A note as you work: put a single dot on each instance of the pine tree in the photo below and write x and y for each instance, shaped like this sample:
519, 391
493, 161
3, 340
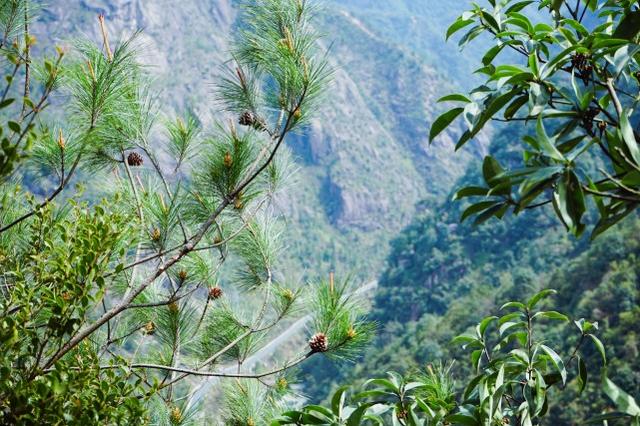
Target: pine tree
120, 304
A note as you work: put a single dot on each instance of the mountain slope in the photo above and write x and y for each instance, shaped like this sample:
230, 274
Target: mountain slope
364, 161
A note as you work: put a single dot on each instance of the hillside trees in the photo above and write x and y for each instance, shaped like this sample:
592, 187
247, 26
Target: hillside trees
119, 300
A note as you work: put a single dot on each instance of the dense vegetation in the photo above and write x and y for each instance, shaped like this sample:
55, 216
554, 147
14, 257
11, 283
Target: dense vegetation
117, 304
125, 303
564, 100
444, 276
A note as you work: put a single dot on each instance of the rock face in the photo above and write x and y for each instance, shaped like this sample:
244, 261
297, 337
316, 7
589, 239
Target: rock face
365, 160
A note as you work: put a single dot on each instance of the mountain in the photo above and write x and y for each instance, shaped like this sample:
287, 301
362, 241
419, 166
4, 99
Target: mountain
365, 160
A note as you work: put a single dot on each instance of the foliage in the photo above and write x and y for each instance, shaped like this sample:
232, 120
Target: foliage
17, 129
112, 311
515, 373
575, 84
68, 257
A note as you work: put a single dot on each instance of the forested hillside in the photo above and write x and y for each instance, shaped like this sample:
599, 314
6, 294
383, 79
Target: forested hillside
444, 276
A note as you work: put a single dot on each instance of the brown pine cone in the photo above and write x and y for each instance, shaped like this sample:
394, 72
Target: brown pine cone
215, 292
319, 343
134, 159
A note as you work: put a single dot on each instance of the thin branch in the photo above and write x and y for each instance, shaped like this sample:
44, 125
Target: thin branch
614, 96
27, 60
191, 372
611, 195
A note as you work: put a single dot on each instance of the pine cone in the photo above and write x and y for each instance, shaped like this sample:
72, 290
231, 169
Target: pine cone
247, 118
319, 343
215, 292
134, 159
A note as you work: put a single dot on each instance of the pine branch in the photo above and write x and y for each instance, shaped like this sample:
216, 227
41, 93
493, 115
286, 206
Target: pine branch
191, 372
186, 249
27, 62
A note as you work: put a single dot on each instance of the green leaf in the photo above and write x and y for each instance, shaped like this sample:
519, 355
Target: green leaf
337, 402
494, 106
608, 221
462, 419
482, 327
490, 169
552, 315
6, 103
516, 305
582, 374
476, 208
355, 419
498, 211
443, 122
541, 395
515, 106
15, 127
424, 407
533, 63
628, 136
546, 144
520, 355
629, 26
556, 5
382, 382
510, 325
599, 347
457, 26
601, 419
492, 53
470, 191
456, 97
624, 402
373, 394
464, 339
538, 98
531, 303
557, 362
569, 202
475, 358
320, 410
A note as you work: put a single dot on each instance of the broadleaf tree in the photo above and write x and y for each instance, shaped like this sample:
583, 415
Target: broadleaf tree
118, 303
570, 71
